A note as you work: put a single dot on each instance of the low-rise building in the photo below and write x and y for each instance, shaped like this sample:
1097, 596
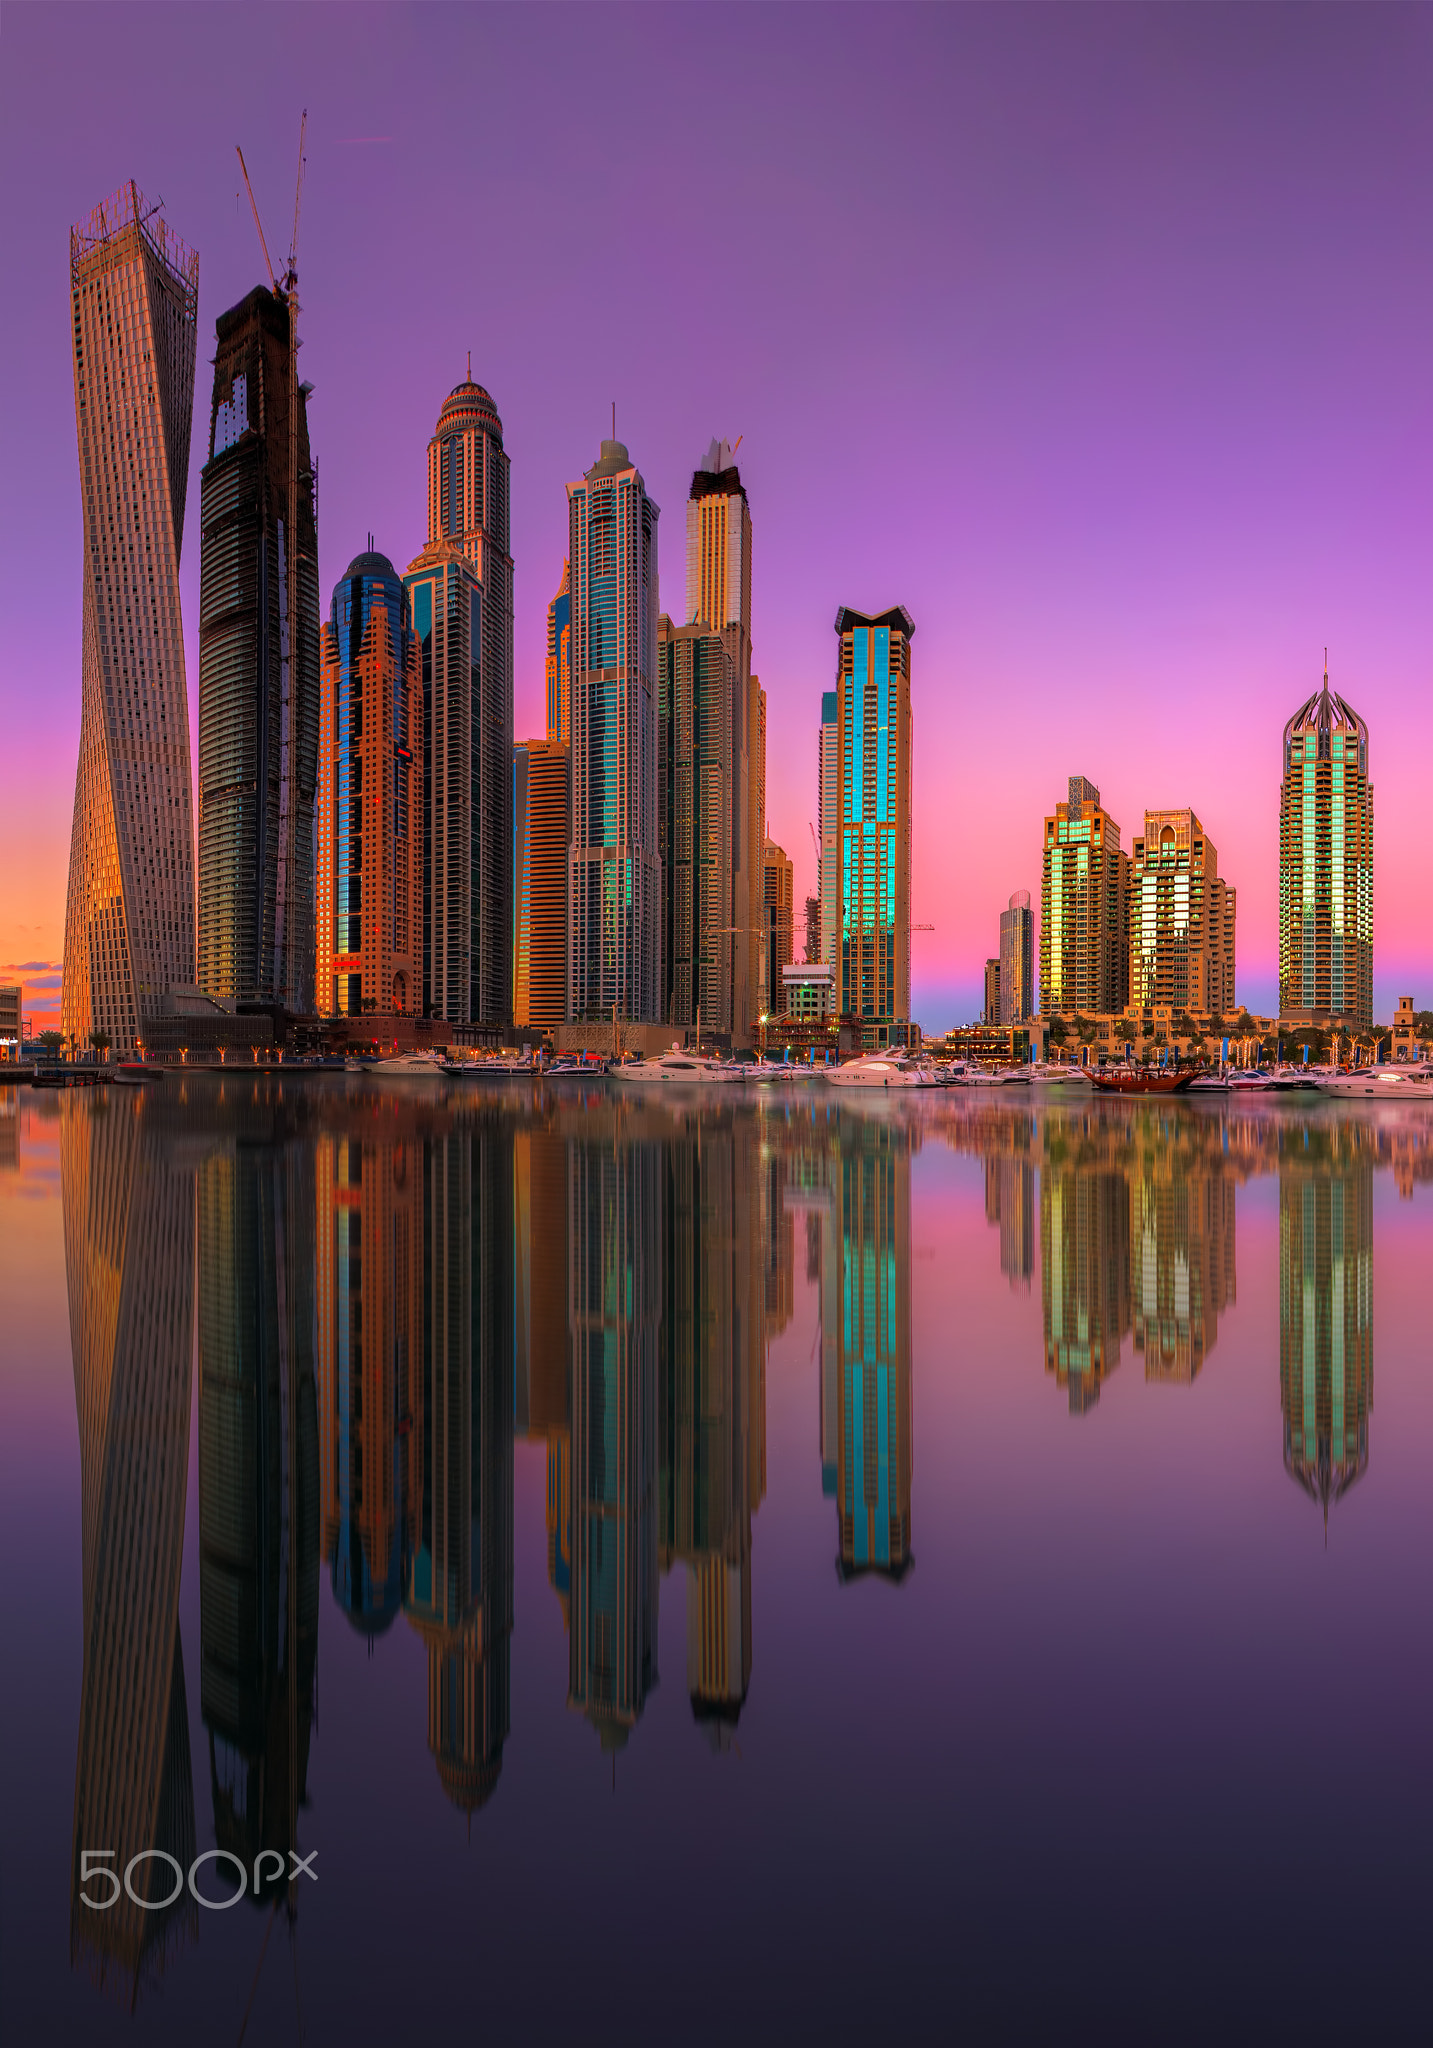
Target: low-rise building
808, 990
9, 1022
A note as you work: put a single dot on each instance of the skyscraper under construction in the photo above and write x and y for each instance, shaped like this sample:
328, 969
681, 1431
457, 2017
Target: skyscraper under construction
129, 915
258, 669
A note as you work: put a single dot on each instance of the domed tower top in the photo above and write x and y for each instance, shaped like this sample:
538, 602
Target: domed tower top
468, 481
1321, 717
469, 405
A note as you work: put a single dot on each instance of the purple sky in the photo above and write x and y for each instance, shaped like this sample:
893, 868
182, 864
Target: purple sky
1100, 339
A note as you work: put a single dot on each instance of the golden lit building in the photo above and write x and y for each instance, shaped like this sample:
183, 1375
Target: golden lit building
1326, 866
542, 824
370, 799
1181, 918
778, 919
129, 913
990, 1013
1084, 931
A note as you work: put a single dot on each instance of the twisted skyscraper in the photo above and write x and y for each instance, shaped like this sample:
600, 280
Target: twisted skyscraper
129, 918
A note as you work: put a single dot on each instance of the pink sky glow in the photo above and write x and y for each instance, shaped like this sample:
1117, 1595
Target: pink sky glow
1097, 339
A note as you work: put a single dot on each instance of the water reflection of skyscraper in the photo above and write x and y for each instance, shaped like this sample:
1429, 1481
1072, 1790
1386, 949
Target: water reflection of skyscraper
258, 1490
128, 1201
1325, 1316
416, 1414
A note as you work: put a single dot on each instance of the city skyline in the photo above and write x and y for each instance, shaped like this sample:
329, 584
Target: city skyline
1240, 620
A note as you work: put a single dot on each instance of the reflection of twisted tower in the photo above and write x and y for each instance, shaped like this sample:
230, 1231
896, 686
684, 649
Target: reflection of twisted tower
129, 1256
458, 1592
258, 1491
873, 1348
1084, 1272
711, 1335
615, 1234
1326, 1324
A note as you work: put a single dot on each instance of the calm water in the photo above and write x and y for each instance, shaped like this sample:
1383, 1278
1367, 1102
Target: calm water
713, 1572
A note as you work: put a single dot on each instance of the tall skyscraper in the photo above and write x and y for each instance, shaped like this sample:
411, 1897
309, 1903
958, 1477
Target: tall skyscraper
258, 671
695, 727
990, 1012
1326, 866
1017, 960
473, 728
1084, 939
559, 660
447, 604
778, 916
370, 888
615, 870
828, 829
718, 595
129, 913
1181, 917
873, 719
542, 829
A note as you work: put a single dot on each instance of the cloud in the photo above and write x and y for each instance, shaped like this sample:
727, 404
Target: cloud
32, 967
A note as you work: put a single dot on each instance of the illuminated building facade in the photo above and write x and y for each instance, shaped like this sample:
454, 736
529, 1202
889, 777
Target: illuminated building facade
1181, 918
778, 915
1017, 961
129, 913
718, 596
370, 892
697, 710
559, 660
1326, 866
873, 717
615, 878
1326, 1319
1084, 933
447, 607
472, 724
542, 825
990, 1012
258, 672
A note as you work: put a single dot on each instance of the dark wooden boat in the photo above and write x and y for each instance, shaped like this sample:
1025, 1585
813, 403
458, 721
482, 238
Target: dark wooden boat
1130, 1081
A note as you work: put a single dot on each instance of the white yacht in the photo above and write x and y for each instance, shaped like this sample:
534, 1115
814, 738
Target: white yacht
1382, 1084
403, 1066
676, 1067
882, 1070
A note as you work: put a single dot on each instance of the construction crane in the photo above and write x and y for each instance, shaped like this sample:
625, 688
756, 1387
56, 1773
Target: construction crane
286, 291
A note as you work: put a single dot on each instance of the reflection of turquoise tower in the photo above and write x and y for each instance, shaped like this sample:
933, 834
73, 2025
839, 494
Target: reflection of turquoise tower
873, 1350
258, 1490
615, 1304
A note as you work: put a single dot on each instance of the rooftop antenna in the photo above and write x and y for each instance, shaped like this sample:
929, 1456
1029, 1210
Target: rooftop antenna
470, 366
614, 419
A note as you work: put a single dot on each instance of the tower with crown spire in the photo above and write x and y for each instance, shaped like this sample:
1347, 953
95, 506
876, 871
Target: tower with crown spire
1326, 866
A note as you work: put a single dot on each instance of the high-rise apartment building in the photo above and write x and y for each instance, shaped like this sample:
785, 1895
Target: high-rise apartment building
1181, 917
1326, 866
828, 831
718, 596
1084, 941
473, 729
990, 1009
542, 827
1017, 961
778, 918
129, 913
559, 660
695, 726
370, 799
258, 670
873, 717
615, 867
447, 606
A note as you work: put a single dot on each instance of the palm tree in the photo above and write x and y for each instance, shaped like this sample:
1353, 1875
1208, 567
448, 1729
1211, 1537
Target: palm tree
100, 1040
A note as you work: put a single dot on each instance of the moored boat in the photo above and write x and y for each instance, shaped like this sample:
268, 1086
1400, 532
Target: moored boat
1141, 1081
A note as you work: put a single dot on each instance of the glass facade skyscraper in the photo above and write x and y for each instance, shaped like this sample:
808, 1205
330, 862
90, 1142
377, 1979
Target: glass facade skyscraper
370, 889
695, 727
615, 866
873, 744
559, 660
258, 672
129, 913
469, 733
1017, 960
1326, 866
